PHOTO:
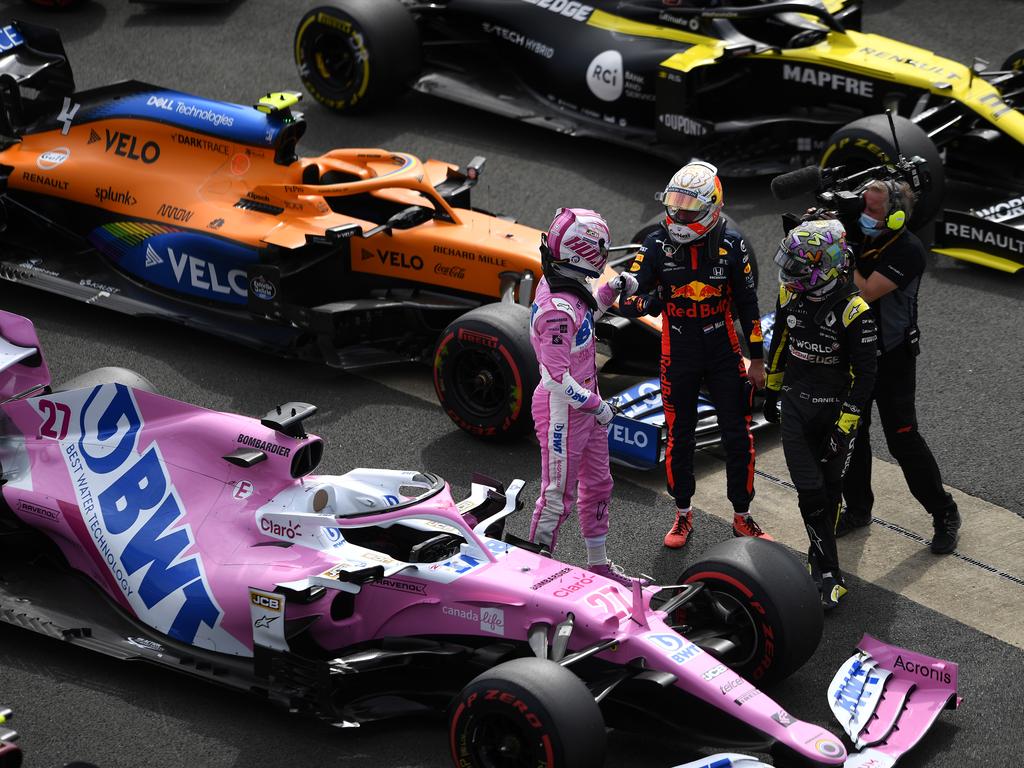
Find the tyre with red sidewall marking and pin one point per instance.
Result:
(761, 602)
(485, 371)
(354, 54)
(526, 712)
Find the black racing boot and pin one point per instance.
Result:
(850, 521)
(946, 524)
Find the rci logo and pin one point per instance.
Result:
(604, 76)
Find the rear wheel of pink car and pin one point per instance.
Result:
(526, 713)
(485, 371)
(760, 612)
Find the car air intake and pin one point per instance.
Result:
(307, 458)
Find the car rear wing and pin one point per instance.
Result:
(23, 371)
(35, 77)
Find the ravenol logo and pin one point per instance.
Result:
(134, 516)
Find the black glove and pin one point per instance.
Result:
(839, 444)
(772, 413)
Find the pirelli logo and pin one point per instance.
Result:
(266, 601)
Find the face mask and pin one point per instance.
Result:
(871, 227)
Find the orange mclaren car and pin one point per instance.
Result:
(153, 202)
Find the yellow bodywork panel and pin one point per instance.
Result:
(981, 258)
(884, 59)
(872, 56)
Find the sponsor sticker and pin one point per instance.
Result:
(50, 159)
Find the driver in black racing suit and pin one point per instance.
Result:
(822, 359)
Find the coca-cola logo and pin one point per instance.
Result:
(454, 272)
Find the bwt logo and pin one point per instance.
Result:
(558, 439)
(135, 517)
(572, 394)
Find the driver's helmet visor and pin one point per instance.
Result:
(793, 267)
(684, 207)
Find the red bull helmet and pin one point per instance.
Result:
(577, 244)
(812, 256)
(693, 201)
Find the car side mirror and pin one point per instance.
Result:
(410, 217)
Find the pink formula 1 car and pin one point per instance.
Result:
(149, 529)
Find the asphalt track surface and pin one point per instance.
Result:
(72, 705)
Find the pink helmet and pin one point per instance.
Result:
(578, 241)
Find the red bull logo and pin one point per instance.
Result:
(695, 290)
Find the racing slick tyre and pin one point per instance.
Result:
(1014, 62)
(10, 755)
(108, 375)
(762, 610)
(526, 712)
(868, 142)
(351, 54)
(485, 371)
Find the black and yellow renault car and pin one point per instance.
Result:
(755, 87)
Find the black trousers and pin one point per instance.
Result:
(807, 422)
(681, 377)
(895, 390)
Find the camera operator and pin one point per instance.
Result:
(889, 261)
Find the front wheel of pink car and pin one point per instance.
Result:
(760, 612)
(526, 713)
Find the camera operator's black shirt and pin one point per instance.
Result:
(899, 256)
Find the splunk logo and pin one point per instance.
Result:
(134, 516)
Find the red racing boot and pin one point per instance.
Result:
(680, 531)
(744, 525)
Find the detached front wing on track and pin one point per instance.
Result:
(992, 237)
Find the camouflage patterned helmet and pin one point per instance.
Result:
(812, 256)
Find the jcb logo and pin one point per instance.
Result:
(266, 602)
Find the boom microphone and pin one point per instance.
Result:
(798, 182)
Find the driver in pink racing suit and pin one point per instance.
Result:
(570, 417)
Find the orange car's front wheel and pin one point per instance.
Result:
(485, 371)
(352, 54)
